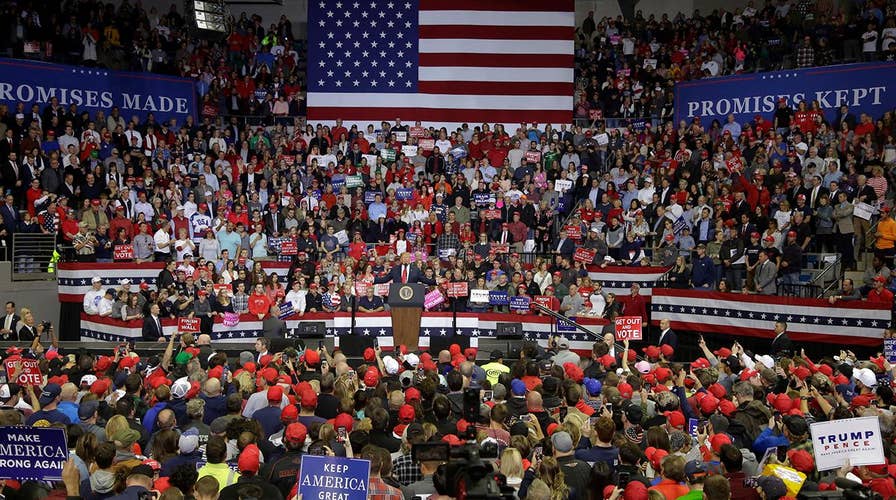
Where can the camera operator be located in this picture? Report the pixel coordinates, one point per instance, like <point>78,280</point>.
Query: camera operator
<point>28,331</point>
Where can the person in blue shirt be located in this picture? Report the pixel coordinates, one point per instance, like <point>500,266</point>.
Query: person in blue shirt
<point>377,209</point>
<point>49,413</point>
<point>269,417</point>
<point>596,444</point>
<point>370,302</point>
<point>67,403</point>
<point>703,274</point>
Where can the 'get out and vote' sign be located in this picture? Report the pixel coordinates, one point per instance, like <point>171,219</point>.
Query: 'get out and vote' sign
<point>855,439</point>
<point>333,478</point>
<point>628,328</point>
<point>36,453</point>
<point>30,374</point>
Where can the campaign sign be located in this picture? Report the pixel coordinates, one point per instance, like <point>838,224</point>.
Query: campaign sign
<point>584,255</point>
<point>322,160</point>
<point>562,185</point>
<point>480,296</point>
<point>693,424</point>
<point>519,303</point>
<point>231,319</point>
<point>500,248</point>
<point>286,310</point>
<point>32,453</point>
<point>573,232</point>
<point>220,288</point>
<point>458,153</point>
<point>404,194</point>
<point>483,198</point>
<point>188,325</point>
<point>566,325</point>
<point>30,372</point>
<point>890,350</point>
<point>337,183</point>
<point>858,86</point>
<point>388,154</point>
<point>427,144</point>
<point>417,132</point>
<point>855,439</point>
<point>92,90</point>
<point>333,477</point>
<point>401,136</point>
<point>458,289</point>
<point>123,252</point>
<point>533,156</point>
<point>492,214</point>
<point>433,299</point>
<point>370,196</point>
<point>409,150</point>
<point>289,247</point>
<point>498,297</point>
<point>595,114</point>
<point>543,301</point>
<point>628,328</point>
<point>353,181</point>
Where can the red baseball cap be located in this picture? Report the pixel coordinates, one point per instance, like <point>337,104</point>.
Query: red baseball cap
<point>275,393</point>
<point>295,433</point>
<point>309,399</point>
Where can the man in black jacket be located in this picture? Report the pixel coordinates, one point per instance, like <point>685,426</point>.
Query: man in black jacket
<point>781,344</point>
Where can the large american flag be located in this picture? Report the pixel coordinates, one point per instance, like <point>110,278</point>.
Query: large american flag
<point>506,61</point>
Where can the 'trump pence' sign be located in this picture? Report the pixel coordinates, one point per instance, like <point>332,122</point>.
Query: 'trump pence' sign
<point>32,453</point>
<point>628,328</point>
<point>855,439</point>
<point>333,477</point>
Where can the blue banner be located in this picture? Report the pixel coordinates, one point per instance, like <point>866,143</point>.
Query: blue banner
<point>333,477</point>
<point>370,196</point>
<point>498,297</point>
<point>483,198</point>
<point>861,87</point>
<point>519,303</point>
<point>36,453</point>
<point>693,423</point>
<point>890,350</point>
<point>286,310</point>
<point>404,194</point>
<point>93,89</point>
<point>337,183</point>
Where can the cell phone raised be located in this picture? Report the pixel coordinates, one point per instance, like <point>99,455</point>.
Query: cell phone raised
<point>341,434</point>
<point>487,396</point>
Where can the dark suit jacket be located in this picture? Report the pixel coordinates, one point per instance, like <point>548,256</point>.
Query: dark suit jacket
<point>150,329</point>
<point>269,224</point>
<point>496,236</point>
<point>567,248</point>
<point>671,338</point>
<point>11,218</point>
<point>414,276</point>
<point>27,333</point>
<point>782,346</point>
<point>12,324</point>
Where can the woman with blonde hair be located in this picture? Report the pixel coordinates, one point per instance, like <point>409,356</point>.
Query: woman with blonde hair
<point>512,467</point>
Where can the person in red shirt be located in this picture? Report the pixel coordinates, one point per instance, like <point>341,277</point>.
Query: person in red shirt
<point>878,293</point>
<point>259,303</point>
<point>121,222</point>
<point>635,304</point>
<point>865,126</point>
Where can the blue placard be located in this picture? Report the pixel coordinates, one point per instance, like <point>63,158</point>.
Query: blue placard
<point>858,86</point>
<point>890,350</point>
<point>404,194</point>
<point>483,198</point>
<point>337,183</point>
<point>519,303</point>
<point>565,326</point>
<point>36,453</point>
<point>333,477</point>
<point>286,310</point>
<point>693,423</point>
<point>498,298</point>
<point>370,196</point>
<point>94,89</point>
<point>639,124</point>
<point>458,153</point>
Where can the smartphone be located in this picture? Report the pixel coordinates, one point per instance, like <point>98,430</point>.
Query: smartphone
<point>563,412</point>
<point>538,453</point>
<point>376,343</point>
<point>122,349</point>
<point>593,421</point>
<point>487,396</point>
<point>351,374</point>
<point>323,364</point>
<point>609,407</point>
<point>782,454</point>
<point>525,418</point>
<point>341,435</point>
<point>320,345</point>
<point>624,478</point>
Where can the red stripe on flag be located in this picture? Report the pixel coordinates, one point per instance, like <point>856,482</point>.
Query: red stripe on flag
<point>498,88</point>
<point>507,5</point>
<point>448,31</point>
<point>497,60</point>
<point>729,330</point>
<point>443,115</point>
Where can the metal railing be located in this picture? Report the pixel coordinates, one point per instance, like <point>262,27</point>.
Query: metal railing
<point>32,256</point>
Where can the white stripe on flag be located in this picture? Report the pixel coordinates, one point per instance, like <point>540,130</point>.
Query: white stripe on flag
<point>474,74</point>
<point>495,18</point>
<point>497,47</point>
<point>438,101</point>
<point>768,308</point>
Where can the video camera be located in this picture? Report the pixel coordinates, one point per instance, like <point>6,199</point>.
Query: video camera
<point>463,474</point>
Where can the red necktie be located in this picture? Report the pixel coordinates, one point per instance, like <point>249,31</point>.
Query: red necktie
<point>404,274</point>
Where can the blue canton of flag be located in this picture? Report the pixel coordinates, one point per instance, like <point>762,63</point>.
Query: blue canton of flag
<point>363,47</point>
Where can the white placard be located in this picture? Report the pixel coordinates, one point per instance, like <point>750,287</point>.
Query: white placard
<point>322,160</point>
<point>602,139</point>
<point>479,296</point>
<point>401,136</point>
<point>371,160</point>
<point>562,185</point>
<point>855,439</point>
<point>341,237</point>
<point>863,210</point>
<point>409,150</point>
<point>650,63</point>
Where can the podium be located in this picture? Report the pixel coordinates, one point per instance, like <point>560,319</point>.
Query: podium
<point>406,305</point>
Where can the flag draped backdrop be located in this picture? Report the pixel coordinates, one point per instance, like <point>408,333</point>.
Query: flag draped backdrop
<point>461,61</point>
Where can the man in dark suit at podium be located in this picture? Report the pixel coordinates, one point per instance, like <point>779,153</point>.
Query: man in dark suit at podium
<point>405,272</point>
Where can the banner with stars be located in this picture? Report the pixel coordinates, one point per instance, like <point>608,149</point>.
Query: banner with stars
<point>811,320</point>
<point>619,279</point>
